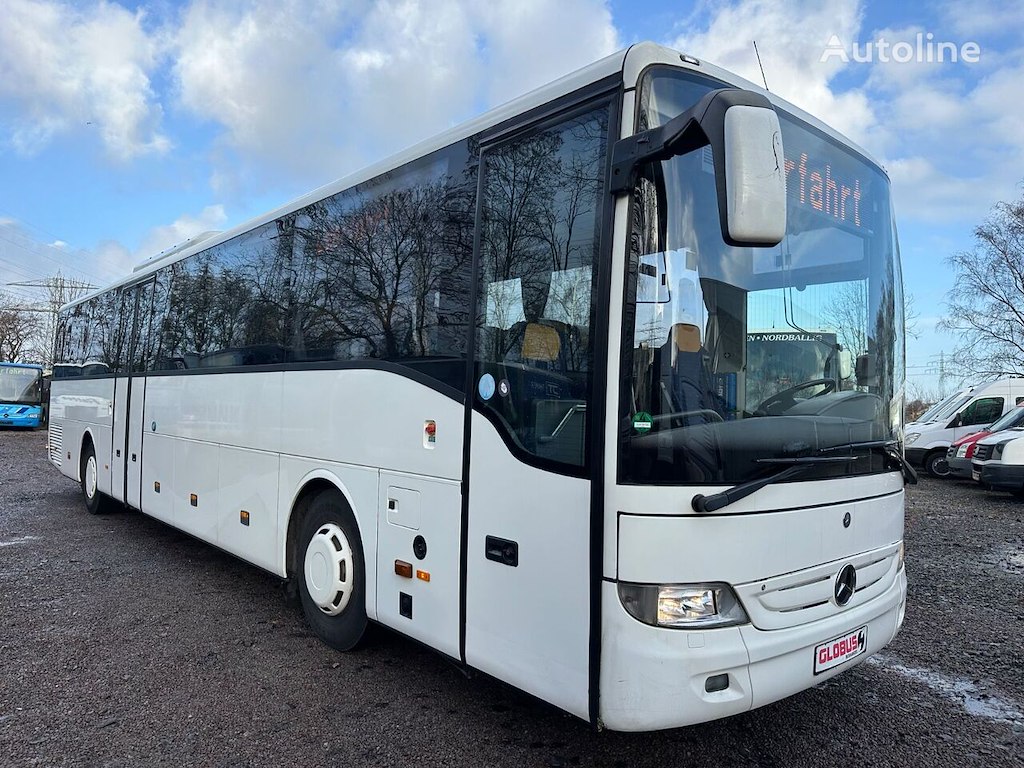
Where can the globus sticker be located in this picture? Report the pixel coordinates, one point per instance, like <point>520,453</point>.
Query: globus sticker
<point>642,422</point>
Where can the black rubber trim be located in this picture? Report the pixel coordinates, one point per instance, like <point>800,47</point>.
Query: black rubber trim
<point>467,418</point>
<point>595,424</point>
<point>540,117</point>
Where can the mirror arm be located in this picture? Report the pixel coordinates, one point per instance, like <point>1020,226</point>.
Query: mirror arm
<point>702,124</point>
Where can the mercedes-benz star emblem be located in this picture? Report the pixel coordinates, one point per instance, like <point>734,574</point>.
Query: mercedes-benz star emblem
<point>846,584</point>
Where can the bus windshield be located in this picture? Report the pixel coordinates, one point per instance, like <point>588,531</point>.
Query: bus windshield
<point>737,359</point>
<point>20,385</point>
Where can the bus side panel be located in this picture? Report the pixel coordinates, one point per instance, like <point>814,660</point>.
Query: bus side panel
<point>412,506</point>
<point>80,406</point>
<point>357,484</point>
<point>195,492</point>
<point>527,618</point>
<point>117,448</point>
<point>238,409</point>
<point>372,418</point>
<point>158,477</point>
<point>247,509</point>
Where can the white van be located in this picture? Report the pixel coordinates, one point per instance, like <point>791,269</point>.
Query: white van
<point>959,415</point>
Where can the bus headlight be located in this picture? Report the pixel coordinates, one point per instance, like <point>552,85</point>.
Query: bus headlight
<point>682,606</point>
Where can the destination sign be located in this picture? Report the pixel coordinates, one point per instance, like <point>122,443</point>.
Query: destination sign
<point>815,184</point>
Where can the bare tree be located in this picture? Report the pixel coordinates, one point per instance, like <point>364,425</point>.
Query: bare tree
<point>18,328</point>
<point>986,303</point>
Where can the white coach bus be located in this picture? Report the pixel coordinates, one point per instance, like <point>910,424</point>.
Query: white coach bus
<point>492,393</point>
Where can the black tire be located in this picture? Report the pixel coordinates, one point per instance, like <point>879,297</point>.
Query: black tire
<point>95,502</point>
<point>330,572</point>
<point>935,464</point>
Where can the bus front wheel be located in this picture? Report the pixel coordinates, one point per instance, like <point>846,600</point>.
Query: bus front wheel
<point>95,502</point>
<point>331,573</point>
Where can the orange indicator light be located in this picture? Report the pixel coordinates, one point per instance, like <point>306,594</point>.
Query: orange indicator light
<point>423,575</point>
<point>403,569</point>
<point>244,517</point>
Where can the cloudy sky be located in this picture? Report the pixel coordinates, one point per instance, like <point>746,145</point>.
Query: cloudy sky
<point>128,127</point>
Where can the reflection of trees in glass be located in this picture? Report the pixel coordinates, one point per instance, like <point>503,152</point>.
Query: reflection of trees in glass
<point>379,272</point>
<point>539,218</point>
<point>107,338</point>
<point>380,263</point>
<point>846,315</point>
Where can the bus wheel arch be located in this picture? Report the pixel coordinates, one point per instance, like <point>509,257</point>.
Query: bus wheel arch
<point>325,564</point>
<point>88,477</point>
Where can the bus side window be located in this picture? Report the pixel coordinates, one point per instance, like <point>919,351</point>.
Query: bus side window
<point>539,255</point>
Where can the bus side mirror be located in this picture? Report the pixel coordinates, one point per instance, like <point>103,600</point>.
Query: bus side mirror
<point>746,144</point>
<point>865,370</point>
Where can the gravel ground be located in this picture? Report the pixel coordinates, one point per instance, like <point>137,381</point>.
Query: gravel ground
<point>124,642</point>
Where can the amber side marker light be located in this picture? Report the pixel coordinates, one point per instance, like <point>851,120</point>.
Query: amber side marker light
<point>243,517</point>
<point>403,569</point>
<point>423,575</point>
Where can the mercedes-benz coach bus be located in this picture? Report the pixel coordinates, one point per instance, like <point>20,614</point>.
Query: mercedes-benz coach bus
<point>496,394</point>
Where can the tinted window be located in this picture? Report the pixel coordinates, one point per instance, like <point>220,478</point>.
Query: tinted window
<point>539,256</point>
<point>378,272</point>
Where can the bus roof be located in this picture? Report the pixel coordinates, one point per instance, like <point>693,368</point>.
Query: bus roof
<point>628,63</point>
<point>33,366</point>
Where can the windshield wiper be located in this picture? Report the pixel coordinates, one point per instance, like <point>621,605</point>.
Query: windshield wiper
<point>794,466</point>
<point>888,450</point>
<point>797,465</point>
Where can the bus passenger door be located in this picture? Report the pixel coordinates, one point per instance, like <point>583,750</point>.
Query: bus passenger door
<point>118,443</point>
<point>139,347</point>
<point>125,309</point>
<point>527,605</point>
<point>133,451</point>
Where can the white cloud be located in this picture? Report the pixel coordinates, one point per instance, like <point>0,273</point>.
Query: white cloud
<point>307,90</point>
<point>791,38</point>
<point>527,43</point>
<point>186,226</point>
<point>64,68</point>
<point>112,259</point>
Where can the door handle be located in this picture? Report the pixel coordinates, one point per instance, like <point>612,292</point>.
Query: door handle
<point>502,551</point>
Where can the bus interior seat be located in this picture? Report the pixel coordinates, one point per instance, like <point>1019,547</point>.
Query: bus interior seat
<point>541,343</point>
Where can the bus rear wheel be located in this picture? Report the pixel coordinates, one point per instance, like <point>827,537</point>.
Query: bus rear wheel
<point>331,572</point>
<point>95,502</point>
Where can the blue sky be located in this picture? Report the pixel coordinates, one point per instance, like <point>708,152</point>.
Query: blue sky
<point>128,127</point>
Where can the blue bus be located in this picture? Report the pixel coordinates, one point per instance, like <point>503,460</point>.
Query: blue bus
<point>21,395</point>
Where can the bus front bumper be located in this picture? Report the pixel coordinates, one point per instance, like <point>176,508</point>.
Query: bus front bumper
<point>654,678</point>
<point>14,419</point>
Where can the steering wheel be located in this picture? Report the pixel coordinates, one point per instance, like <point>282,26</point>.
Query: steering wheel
<point>782,401</point>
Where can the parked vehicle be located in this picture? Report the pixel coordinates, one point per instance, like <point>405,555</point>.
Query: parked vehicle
<point>998,462</point>
<point>927,443</point>
<point>960,453</point>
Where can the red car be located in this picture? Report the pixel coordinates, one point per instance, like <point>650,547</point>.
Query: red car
<point>959,455</point>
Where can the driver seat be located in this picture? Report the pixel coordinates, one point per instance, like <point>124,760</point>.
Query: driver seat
<point>690,384</point>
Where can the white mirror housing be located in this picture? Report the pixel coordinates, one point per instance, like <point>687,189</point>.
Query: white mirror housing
<point>755,179</point>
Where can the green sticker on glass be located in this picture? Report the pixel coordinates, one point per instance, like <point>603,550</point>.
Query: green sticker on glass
<point>642,422</point>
